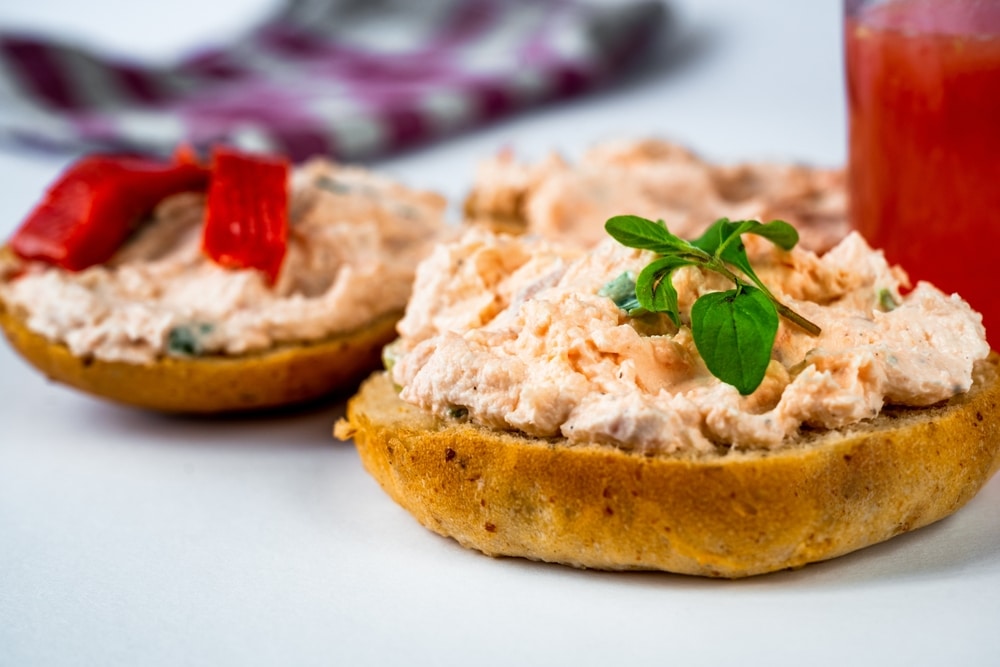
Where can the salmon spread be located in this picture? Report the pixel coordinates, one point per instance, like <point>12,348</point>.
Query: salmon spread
<point>516,333</point>
<point>354,241</point>
<point>658,180</point>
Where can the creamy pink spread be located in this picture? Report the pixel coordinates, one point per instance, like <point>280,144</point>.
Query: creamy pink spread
<point>513,333</point>
<point>354,242</point>
<point>657,180</point>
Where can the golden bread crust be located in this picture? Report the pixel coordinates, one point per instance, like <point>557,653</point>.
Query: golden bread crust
<point>287,374</point>
<point>730,515</point>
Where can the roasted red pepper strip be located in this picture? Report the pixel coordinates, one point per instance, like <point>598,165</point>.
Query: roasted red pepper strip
<point>246,225</point>
<point>90,211</point>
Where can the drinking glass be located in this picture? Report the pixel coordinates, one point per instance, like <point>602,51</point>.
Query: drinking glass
<point>923,88</point>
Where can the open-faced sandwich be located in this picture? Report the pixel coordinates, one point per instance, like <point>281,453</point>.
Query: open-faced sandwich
<point>724,406</point>
<point>569,202</point>
<point>235,285</point>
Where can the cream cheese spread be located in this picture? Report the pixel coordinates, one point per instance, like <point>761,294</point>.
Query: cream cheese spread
<point>353,244</point>
<point>657,180</point>
<point>514,333</point>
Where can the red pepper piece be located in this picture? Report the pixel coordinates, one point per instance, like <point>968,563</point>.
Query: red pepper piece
<point>246,225</point>
<point>88,213</point>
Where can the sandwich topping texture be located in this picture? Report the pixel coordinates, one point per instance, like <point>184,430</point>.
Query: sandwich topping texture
<point>569,202</point>
<point>519,334</point>
<point>353,244</point>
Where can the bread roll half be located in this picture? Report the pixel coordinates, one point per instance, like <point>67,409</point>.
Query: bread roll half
<point>287,374</point>
<point>727,515</point>
<point>165,325</point>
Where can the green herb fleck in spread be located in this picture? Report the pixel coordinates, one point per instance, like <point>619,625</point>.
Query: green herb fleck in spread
<point>186,340</point>
<point>886,301</point>
<point>621,290</point>
<point>333,185</point>
<point>458,412</point>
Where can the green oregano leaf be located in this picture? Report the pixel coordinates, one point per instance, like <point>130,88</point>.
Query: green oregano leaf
<point>716,234</point>
<point>635,232</point>
<point>734,332</point>
<point>722,239</point>
<point>621,290</point>
<point>722,230</point>
<point>655,290</point>
<point>778,232</point>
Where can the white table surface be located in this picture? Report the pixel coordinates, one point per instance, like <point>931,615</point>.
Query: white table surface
<point>128,538</point>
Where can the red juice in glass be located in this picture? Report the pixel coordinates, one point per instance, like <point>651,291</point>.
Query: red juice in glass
<point>923,84</point>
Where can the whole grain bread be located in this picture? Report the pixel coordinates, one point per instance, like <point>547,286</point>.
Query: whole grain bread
<point>730,514</point>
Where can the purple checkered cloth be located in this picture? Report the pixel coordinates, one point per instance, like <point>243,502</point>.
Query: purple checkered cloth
<point>349,79</point>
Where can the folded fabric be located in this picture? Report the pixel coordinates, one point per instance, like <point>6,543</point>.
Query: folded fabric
<point>349,79</point>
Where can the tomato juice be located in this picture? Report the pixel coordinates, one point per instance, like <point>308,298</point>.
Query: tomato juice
<point>923,85</point>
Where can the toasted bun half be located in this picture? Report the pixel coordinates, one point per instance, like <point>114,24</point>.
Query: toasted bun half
<point>284,375</point>
<point>730,515</point>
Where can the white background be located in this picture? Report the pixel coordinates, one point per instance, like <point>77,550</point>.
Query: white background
<point>129,538</point>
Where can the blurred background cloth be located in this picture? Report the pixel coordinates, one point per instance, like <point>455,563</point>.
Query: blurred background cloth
<point>349,78</point>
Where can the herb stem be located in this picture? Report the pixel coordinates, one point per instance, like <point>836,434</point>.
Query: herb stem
<point>796,319</point>
<point>783,310</point>
<point>734,330</point>
<point>720,267</point>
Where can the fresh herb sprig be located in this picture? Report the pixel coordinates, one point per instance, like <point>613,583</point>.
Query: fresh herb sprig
<point>734,330</point>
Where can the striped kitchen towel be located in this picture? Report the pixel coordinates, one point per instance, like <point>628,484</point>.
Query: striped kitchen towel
<point>349,78</point>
